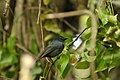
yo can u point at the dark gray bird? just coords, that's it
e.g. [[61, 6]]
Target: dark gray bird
[[54, 49]]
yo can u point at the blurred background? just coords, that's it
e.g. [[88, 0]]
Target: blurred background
[[28, 26]]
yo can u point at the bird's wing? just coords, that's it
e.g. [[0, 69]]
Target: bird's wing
[[48, 50]]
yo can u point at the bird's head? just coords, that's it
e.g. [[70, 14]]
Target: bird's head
[[60, 38]]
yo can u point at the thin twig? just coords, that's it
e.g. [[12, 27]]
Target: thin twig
[[77, 37], [39, 21], [69, 25], [51, 66], [26, 50], [39, 12]]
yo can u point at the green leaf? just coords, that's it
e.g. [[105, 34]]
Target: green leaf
[[117, 33], [86, 36], [110, 59], [88, 58], [82, 65], [112, 19], [103, 15], [11, 45], [46, 2], [88, 46], [88, 23], [66, 70], [63, 64], [102, 66], [37, 70], [8, 55], [98, 47], [118, 44], [7, 60], [64, 60], [34, 47], [52, 26]]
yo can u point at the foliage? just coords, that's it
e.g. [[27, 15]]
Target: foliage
[[107, 47]]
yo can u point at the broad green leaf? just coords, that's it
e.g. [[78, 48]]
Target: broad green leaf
[[52, 26], [112, 19], [88, 23], [115, 58], [64, 60], [37, 70], [86, 36], [103, 15], [117, 33], [98, 47], [82, 65], [8, 56], [110, 59], [118, 44], [7, 60], [66, 70], [63, 64], [102, 66], [111, 29], [46, 2]]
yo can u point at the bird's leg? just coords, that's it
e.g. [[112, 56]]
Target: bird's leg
[[53, 62], [49, 60]]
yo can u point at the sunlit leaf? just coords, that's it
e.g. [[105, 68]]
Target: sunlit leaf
[[52, 26], [63, 64], [112, 19], [117, 33], [118, 44], [88, 23], [88, 58], [103, 15], [46, 2], [64, 60]]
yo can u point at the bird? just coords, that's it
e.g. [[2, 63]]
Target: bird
[[53, 49]]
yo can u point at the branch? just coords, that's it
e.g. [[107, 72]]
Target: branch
[[51, 66], [77, 37], [69, 25], [38, 20], [68, 14], [26, 50]]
